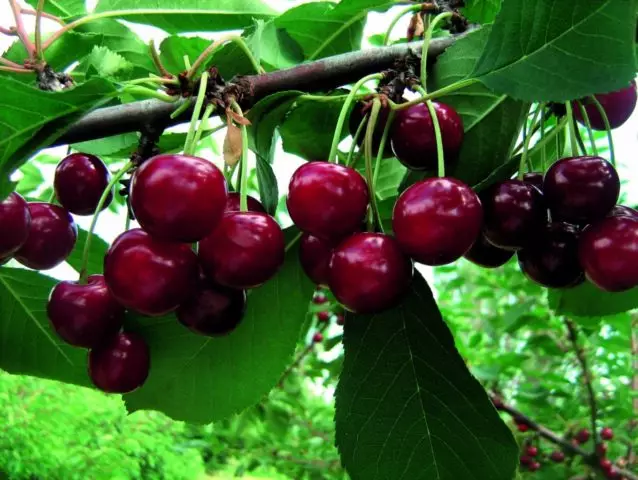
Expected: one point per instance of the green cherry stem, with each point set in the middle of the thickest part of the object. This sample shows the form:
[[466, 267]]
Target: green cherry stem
[[572, 130], [377, 163], [243, 179], [100, 204], [344, 113], [603, 115], [203, 124], [39, 53], [201, 96], [440, 154], [182, 108], [438, 93], [355, 140], [426, 45], [374, 114], [239, 41], [543, 149], [152, 81], [149, 93], [526, 141], [590, 132], [127, 223], [399, 16]]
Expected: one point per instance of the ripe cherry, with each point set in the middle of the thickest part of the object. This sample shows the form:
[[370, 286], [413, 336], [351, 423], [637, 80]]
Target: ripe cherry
[[317, 337], [121, 364], [532, 451], [341, 320], [233, 203], [618, 107], [413, 139], [601, 448], [327, 200], [356, 117], [15, 220], [608, 252], [605, 464], [52, 236], [148, 275], [79, 182], [623, 211], [319, 298], [552, 259], [534, 467], [557, 457], [369, 273], [178, 197], [582, 436], [437, 220], [212, 310], [84, 315], [606, 433], [535, 179], [581, 190], [486, 255], [323, 316], [522, 427], [314, 256], [525, 460], [245, 250]]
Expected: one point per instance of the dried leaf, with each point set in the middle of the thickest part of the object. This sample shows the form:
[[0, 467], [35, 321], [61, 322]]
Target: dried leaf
[[232, 143], [237, 118]]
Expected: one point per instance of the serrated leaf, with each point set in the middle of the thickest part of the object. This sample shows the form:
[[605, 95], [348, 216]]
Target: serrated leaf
[[268, 188], [31, 180], [586, 300], [97, 251], [107, 63], [62, 8], [408, 408], [551, 50]]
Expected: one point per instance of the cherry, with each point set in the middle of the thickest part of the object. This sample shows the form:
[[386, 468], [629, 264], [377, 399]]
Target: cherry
[[601, 448], [319, 298], [120, 365], [532, 451], [84, 315], [52, 236], [356, 117], [341, 320], [608, 252], [413, 139], [552, 259], [178, 197], [323, 316], [245, 250], [15, 220], [486, 255], [369, 273], [148, 275], [79, 182], [581, 190], [233, 202], [317, 337], [327, 200], [535, 179], [522, 427], [606, 433], [623, 211], [525, 460], [212, 310], [582, 436], [534, 466], [437, 220], [605, 464], [618, 106], [314, 256], [557, 457]]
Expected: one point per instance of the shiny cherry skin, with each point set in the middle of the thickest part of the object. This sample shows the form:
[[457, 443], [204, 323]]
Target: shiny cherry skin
[[525, 460], [513, 211], [534, 467], [120, 365], [601, 449], [551, 260], [213, 310], [369, 273], [356, 117], [324, 316], [314, 256], [327, 200], [317, 337], [413, 140], [534, 178], [245, 250], [607, 433], [557, 457], [581, 190], [148, 275], [51, 239], [84, 315], [623, 211], [437, 220], [618, 106], [178, 197], [15, 220], [582, 436], [486, 255], [233, 203], [532, 451], [608, 252], [79, 182]]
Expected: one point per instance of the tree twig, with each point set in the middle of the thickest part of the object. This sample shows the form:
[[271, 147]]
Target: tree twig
[[300, 358], [26, 11], [20, 30], [8, 31]]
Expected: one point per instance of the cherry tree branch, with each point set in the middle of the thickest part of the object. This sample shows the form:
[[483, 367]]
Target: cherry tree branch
[[20, 30]]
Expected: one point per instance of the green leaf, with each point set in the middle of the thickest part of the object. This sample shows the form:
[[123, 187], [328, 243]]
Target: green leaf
[[97, 251], [62, 8], [31, 180], [199, 379], [108, 145], [481, 11], [268, 189], [407, 406], [107, 63], [556, 51], [586, 300], [177, 16], [174, 48], [24, 130]]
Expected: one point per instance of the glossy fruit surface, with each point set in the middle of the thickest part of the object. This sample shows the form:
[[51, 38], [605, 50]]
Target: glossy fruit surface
[[486, 255], [581, 190], [413, 139], [601, 449], [233, 202], [552, 259], [557, 457], [52, 236], [121, 365], [437, 220], [525, 460], [522, 427], [15, 221], [323, 317], [534, 178], [356, 116], [319, 298], [369, 273], [314, 256], [532, 451], [84, 315], [534, 467], [623, 211], [178, 197], [148, 275], [213, 310], [607, 433], [618, 106], [327, 200], [513, 211], [245, 250], [79, 182], [317, 337], [608, 252], [582, 436]]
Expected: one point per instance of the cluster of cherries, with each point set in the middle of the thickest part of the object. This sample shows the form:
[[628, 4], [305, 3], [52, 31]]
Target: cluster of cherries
[[324, 316]]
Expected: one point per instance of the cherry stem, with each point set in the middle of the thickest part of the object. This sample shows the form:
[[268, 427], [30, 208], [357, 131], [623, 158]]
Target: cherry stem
[[590, 132], [15, 70], [153, 81], [187, 62], [239, 41], [572, 129], [292, 242], [20, 30], [603, 115], [201, 96], [377, 163], [368, 141], [395, 20], [345, 109], [426, 45], [11, 64], [438, 93], [7, 31], [149, 93], [355, 140], [243, 173], [526, 140], [127, 223], [98, 209], [157, 60], [543, 149], [203, 124], [39, 54], [26, 11], [182, 108]]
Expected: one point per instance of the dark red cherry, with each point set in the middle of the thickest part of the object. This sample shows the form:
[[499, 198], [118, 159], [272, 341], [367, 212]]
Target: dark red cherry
[[525, 460], [84, 315], [341, 320], [148, 275], [356, 117], [52, 236], [486, 255], [15, 221], [522, 427], [79, 182], [607, 433], [513, 211], [534, 178], [319, 298], [581, 190], [120, 365], [323, 316], [532, 451], [233, 200], [618, 106], [369, 273], [601, 448], [623, 211], [608, 252], [314, 256], [413, 139], [245, 250], [605, 464], [213, 310], [534, 467], [557, 457], [327, 200], [178, 197], [582, 436], [317, 337], [551, 259], [437, 220]]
